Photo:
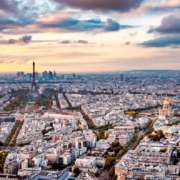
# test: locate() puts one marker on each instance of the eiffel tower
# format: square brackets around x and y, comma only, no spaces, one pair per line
[34,86]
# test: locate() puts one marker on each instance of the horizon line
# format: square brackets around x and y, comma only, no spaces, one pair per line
[102,72]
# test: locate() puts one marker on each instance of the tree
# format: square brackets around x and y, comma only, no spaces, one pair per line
[110,160]
[157,135]
[3,156]
[76,171]
[112,172]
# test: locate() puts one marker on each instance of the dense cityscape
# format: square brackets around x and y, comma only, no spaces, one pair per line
[90,126]
[89,90]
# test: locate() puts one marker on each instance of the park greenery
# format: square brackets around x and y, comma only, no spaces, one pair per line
[156,135]
[3,156]
[19,99]
[111,157]
[44,101]
[13,104]
[75,171]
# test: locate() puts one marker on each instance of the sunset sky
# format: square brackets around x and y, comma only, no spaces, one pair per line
[89,35]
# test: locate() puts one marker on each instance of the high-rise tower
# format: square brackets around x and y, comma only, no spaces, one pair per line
[34,77]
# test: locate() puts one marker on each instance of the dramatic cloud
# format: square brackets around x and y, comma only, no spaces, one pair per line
[162,6]
[27,16]
[155,8]
[27,10]
[169,24]
[112,25]
[8,24]
[169,30]
[118,5]
[170,41]
[67,24]
[5,5]
[71,24]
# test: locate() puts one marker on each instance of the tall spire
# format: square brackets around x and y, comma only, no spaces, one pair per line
[34,76]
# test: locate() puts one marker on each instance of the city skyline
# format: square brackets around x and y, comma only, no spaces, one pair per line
[89,36]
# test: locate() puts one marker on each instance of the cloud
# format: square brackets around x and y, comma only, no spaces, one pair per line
[8,24]
[127,43]
[12,41]
[22,40]
[118,5]
[13,60]
[169,25]
[155,7]
[169,29]
[112,25]
[74,42]
[24,12]
[82,42]
[62,24]
[29,16]
[26,39]
[163,6]
[66,42]
[168,41]
[5,5]
[77,25]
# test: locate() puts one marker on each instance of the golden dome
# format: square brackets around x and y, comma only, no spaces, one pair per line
[166,101]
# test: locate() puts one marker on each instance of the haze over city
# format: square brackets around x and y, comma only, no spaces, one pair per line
[89,89]
[89,36]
